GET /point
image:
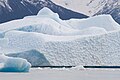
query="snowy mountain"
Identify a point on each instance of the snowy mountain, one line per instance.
(111, 7)
(93, 7)
(88, 7)
(46, 40)
(16, 9)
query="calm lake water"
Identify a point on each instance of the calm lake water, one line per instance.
(64, 74)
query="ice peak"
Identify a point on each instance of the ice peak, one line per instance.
(46, 11)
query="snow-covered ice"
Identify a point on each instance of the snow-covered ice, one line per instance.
(102, 21)
(46, 40)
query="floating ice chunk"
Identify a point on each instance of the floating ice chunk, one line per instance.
(79, 67)
(9, 64)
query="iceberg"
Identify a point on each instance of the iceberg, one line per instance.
(10, 64)
(46, 40)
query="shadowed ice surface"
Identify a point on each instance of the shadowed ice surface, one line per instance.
(33, 56)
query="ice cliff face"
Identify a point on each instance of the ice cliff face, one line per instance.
(46, 40)
(16, 9)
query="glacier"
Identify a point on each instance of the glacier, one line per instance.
(10, 64)
(46, 40)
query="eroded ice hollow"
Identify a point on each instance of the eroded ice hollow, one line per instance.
(46, 40)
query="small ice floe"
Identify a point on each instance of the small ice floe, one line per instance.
(9, 64)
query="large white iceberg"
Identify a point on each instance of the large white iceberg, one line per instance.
(46, 40)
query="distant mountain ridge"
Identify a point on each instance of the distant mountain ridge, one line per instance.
(17, 9)
(111, 7)
(88, 7)
(93, 7)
